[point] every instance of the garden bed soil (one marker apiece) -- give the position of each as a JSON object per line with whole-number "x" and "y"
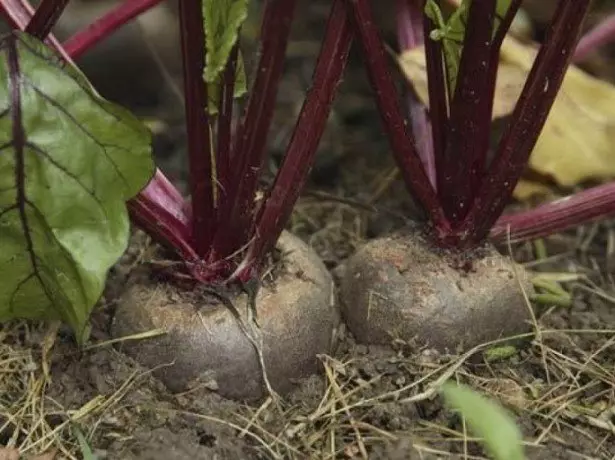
{"x": 375, "y": 400}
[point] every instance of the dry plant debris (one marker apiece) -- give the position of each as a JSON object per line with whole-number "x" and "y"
{"x": 33, "y": 424}
{"x": 370, "y": 402}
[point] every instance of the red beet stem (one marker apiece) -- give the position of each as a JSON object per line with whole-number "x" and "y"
{"x": 45, "y": 17}
{"x": 410, "y": 35}
{"x": 100, "y": 29}
{"x": 582, "y": 207}
{"x": 201, "y": 171}
{"x": 436, "y": 86}
{"x": 302, "y": 147}
{"x": 19, "y": 13}
{"x": 467, "y": 141}
{"x": 395, "y": 124}
{"x": 225, "y": 120}
{"x": 237, "y": 218}
{"x": 159, "y": 211}
{"x": 527, "y": 121}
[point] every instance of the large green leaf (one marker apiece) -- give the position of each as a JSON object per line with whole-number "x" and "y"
{"x": 68, "y": 162}
{"x": 222, "y": 21}
{"x": 488, "y": 420}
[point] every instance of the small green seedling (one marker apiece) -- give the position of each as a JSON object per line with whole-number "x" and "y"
{"x": 551, "y": 293}
{"x": 502, "y": 353}
{"x": 501, "y": 436}
{"x": 84, "y": 446}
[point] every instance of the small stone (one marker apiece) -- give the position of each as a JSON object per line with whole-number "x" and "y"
{"x": 400, "y": 381}
{"x": 430, "y": 356}
{"x": 362, "y": 350}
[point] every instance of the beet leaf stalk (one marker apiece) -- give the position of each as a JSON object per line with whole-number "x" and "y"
{"x": 436, "y": 86}
{"x": 587, "y": 205}
{"x": 527, "y": 120}
{"x": 395, "y": 124}
{"x": 161, "y": 206}
{"x": 410, "y": 35}
{"x": 96, "y": 32}
{"x": 45, "y": 17}
{"x": 201, "y": 154}
{"x": 19, "y": 13}
{"x": 238, "y": 211}
{"x": 467, "y": 140}
{"x": 303, "y": 144}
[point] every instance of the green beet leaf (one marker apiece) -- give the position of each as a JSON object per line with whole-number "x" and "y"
{"x": 222, "y": 21}
{"x": 486, "y": 419}
{"x": 451, "y": 33}
{"x": 69, "y": 160}
{"x": 240, "y": 88}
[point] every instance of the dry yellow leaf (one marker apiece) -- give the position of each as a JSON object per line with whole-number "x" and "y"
{"x": 578, "y": 140}
{"x": 509, "y": 83}
{"x": 526, "y": 189}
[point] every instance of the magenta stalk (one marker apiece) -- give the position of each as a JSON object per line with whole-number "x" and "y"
{"x": 237, "y": 220}
{"x": 580, "y": 208}
{"x": 45, "y": 17}
{"x": 602, "y": 34}
{"x": 409, "y": 36}
{"x": 437, "y": 89}
{"x": 395, "y": 124}
{"x": 527, "y": 121}
{"x": 201, "y": 153}
{"x": 467, "y": 141}
{"x": 159, "y": 209}
{"x": 19, "y": 13}
{"x": 306, "y": 136}
{"x": 224, "y": 124}
{"x": 82, "y": 41}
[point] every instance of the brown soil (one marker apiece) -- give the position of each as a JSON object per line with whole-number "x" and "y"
{"x": 381, "y": 400}
{"x": 369, "y": 402}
